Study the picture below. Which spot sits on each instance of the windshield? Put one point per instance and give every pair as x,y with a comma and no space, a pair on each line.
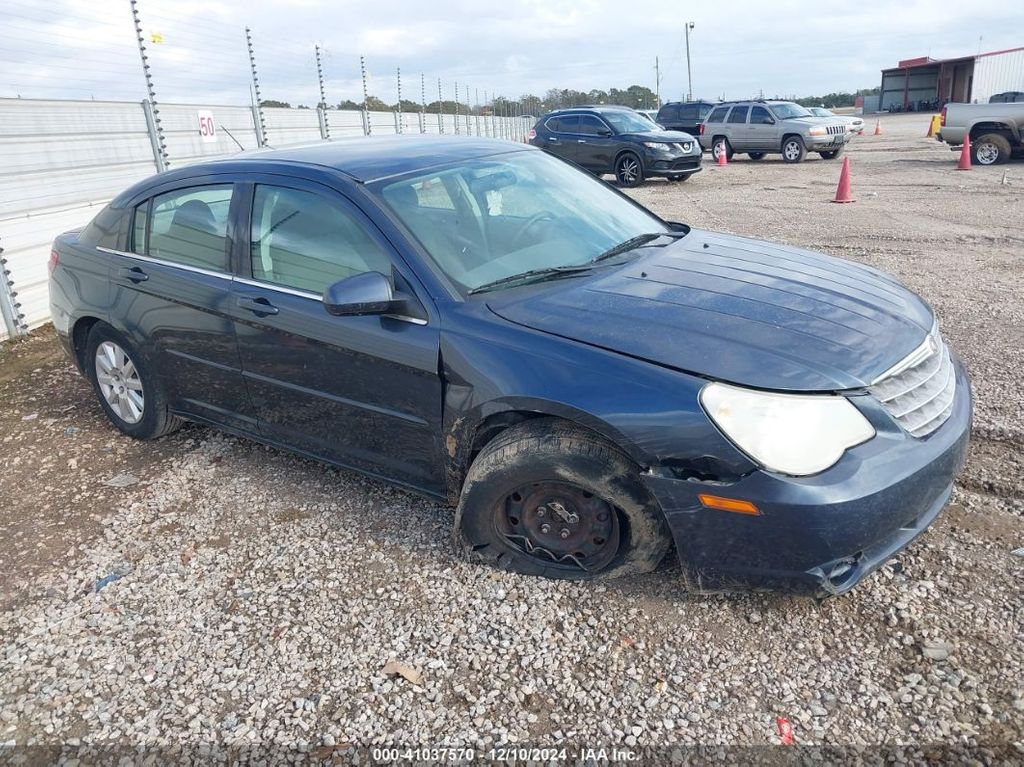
819,112
785,111
627,122
488,219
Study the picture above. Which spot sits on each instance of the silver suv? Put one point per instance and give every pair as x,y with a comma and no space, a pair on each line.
769,127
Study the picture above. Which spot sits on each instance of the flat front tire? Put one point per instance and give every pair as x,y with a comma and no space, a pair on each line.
546,498
129,392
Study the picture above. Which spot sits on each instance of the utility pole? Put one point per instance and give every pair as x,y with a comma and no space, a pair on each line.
657,83
689,73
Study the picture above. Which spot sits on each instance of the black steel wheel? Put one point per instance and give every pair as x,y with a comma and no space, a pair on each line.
547,498
560,524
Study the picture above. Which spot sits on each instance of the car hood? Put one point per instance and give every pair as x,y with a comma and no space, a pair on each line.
737,310
663,135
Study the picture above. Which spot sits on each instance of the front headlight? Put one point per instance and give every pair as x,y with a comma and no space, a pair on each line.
657,145
817,132
796,434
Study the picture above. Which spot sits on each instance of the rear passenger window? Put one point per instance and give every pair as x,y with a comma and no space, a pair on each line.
189,226
669,113
738,115
305,241
717,115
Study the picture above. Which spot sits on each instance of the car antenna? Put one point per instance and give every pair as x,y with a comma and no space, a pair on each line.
242,148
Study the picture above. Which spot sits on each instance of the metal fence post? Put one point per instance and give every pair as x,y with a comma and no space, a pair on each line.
261,124
159,157
423,103
367,130
398,116
325,127
321,116
440,107
10,309
153,113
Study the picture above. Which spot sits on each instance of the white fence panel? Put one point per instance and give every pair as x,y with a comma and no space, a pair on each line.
185,146
344,123
381,123
60,161
287,127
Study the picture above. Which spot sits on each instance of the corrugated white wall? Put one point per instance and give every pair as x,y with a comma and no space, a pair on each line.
997,73
62,161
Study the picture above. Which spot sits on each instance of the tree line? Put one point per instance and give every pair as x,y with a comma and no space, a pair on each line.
635,96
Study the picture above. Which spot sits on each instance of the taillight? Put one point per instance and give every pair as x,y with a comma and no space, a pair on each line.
702,129
942,116
54,260
531,135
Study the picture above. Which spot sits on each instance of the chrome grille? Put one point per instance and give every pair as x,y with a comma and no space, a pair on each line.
835,130
919,391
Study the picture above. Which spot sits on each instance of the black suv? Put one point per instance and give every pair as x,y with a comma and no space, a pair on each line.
684,115
617,140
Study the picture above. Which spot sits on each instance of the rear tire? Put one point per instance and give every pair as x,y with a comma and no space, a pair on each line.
128,390
546,498
793,149
629,170
716,148
990,149
755,155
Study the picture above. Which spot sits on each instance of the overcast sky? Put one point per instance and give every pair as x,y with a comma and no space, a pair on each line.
86,48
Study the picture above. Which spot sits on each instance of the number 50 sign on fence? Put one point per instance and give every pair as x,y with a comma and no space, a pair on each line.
207,128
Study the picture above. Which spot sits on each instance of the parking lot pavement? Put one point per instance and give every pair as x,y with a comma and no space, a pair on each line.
207,589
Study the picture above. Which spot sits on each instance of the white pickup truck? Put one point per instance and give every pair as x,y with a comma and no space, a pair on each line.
996,130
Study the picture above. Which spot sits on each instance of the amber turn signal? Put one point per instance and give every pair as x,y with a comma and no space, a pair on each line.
729,504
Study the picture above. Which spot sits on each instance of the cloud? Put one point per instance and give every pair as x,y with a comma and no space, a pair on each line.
87,48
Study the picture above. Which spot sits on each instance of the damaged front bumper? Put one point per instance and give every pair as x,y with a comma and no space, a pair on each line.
819,535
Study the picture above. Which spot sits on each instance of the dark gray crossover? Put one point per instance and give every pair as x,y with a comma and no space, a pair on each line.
488,326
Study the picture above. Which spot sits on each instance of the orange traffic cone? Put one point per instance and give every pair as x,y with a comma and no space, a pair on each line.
722,159
878,127
965,154
843,190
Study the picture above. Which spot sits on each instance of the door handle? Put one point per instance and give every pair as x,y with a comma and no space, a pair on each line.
581,141
259,306
135,274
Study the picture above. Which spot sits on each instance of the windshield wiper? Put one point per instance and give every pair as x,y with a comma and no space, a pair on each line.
633,243
534,275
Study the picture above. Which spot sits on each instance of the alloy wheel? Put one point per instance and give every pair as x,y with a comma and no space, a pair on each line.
119,382
561,524
629,170
791,150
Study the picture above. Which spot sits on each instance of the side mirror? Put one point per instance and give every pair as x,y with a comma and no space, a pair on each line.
767,121
360,294
604,132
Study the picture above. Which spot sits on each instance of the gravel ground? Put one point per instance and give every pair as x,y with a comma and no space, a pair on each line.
208,590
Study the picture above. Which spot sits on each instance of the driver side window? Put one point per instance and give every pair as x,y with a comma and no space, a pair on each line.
305,241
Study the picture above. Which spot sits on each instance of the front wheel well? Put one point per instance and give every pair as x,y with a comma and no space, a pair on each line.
493,426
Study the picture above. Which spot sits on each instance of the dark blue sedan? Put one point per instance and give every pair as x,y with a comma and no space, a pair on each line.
489,326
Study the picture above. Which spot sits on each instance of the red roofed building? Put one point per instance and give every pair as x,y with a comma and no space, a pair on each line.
925,83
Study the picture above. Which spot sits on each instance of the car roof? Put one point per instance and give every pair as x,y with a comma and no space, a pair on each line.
371,158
